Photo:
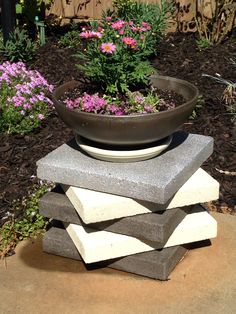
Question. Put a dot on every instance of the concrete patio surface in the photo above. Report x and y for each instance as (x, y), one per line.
(33, 282)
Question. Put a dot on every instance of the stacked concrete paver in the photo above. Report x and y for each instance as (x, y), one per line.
(136, 217)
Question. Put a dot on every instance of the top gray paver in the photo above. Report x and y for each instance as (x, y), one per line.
(155, 180)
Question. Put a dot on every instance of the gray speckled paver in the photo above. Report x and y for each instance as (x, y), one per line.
(153, 227)
(155, 180)
(155, 264)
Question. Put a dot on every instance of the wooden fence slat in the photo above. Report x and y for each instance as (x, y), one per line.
(184, 17)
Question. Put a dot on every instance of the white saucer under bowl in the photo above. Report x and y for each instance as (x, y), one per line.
(117, 154)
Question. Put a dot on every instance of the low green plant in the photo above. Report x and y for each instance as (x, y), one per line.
(203, 43)
(19, 47)
(71, 39)
(24, 101)
(30, 225)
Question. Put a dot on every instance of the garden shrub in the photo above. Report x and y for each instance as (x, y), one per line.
(19, 47)
(24, 101)
(72, 38)
(213, 31)
(154, 14)
(115, 54)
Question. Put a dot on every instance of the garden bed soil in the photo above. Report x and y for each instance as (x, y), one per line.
(178, 56)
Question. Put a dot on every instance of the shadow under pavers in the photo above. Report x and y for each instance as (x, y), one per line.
(203, 282)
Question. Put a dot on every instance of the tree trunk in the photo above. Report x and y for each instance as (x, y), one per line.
(8, 18)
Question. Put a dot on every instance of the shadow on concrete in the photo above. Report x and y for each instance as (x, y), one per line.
(33, 256)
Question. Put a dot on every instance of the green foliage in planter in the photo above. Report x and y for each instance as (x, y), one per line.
(30, 225)
(19, 47)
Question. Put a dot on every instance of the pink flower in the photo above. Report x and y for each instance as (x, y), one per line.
(116, 110)
(143, 29)
(146, 25)
(95, 34)
(139, 99)
(108, 18)
(134, 29)
(90, 34)
(108, 48)
(100, 29)
(129, 41)
(84, 34)
(118, 25)
(148, 108)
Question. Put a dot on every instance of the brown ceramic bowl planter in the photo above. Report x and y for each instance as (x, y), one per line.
(131, 129)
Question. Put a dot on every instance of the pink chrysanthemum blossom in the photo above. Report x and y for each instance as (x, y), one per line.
(90, 34)
(146, 25)
(108, 48)
(134, 29)
(109, 18)
(118, 25)
(100, 29)
(129, 41)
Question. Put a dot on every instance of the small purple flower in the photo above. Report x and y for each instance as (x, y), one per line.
(33, 100)
(41, 116)
(26, 106)
(139, 99)
(148, 108)
(26, 92)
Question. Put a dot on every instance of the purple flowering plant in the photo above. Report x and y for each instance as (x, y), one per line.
(133, 103)
(23, 100)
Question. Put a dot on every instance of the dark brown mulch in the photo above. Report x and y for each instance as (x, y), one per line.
(178, 57)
